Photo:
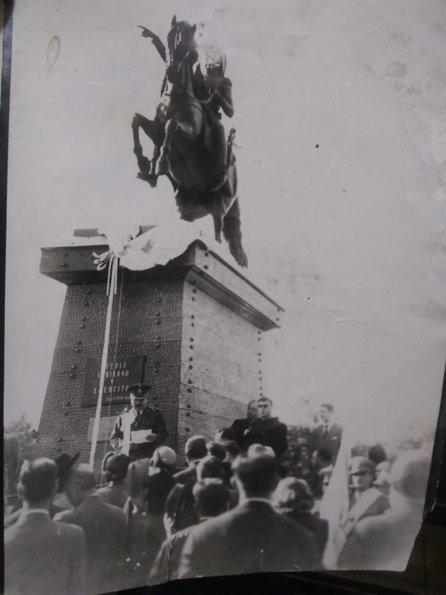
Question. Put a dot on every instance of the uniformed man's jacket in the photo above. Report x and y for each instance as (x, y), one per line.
(149, 419)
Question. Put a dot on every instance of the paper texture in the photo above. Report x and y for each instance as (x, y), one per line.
(141, 436)
(340, 146)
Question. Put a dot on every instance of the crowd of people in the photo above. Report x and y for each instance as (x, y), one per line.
(233, 509)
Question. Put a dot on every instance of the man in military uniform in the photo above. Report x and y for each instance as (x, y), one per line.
(141, 429)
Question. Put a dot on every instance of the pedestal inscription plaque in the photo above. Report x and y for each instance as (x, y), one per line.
(121, 372)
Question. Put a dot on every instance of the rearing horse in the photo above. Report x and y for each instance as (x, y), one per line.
(201, 188)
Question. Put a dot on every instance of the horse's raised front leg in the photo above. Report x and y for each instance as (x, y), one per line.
(136, 123)
(143, 162)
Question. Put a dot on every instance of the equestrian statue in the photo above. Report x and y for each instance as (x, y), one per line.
(190, 145)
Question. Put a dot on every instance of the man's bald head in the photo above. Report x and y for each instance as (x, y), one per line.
(38, 481)
(410, 473)
(81, 483)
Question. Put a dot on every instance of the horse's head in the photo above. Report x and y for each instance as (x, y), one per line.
(180, 39)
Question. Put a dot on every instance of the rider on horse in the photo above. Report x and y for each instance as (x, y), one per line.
(219, 90)
(189, 136)
(213, 90)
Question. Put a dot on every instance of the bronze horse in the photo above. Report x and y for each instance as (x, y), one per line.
(202, 187)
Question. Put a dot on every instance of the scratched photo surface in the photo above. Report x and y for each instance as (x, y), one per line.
(340, 119)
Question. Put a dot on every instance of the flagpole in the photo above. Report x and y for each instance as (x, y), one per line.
(111, 290)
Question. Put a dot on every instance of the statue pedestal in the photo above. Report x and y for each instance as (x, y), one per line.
(192, 330)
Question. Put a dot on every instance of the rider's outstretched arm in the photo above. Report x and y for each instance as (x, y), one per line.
(161, 48)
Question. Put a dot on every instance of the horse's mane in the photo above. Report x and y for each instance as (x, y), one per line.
(183, 25)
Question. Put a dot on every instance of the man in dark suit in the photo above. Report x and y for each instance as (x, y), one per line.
(104, 527)
(327, 435)
(141, 429)
(180, 505)
(211, 499)
(41, 555)
(242, 426)
(195, 450)
(267, 430)
(252, 537)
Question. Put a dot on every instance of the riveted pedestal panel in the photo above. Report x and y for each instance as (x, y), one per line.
(200, 340)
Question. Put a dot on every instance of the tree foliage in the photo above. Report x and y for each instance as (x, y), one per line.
(26, 436)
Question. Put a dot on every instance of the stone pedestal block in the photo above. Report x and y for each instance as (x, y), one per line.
(192, 330)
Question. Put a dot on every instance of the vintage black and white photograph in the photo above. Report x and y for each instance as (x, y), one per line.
(225, 288)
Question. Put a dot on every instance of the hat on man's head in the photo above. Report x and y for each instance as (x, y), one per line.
(164, 456)
(361, 464)
(138, 390)
(64, 463)
(116, 462)
(256, 450)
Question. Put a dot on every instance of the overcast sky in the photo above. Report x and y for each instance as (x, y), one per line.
(340, 114)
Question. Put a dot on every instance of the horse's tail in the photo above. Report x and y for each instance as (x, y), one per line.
(233, 234)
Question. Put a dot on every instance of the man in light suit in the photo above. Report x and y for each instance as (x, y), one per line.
(104, 527)
(41, 555)
(251, 537)
(327, 435)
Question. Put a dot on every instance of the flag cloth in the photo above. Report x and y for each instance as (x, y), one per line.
(335, 504)
(156, 246)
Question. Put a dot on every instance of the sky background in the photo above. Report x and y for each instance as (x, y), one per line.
(340, 113)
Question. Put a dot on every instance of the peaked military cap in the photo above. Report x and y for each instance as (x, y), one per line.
(138, 390)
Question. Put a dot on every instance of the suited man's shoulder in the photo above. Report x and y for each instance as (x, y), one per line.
(65, 516)
(283, 427)
(377, 525)
(214, 525)
(72, 532)
(96, 507)
(152, 411)
(116, 513)
(60, 529)
(242, 422)
(181, 477)
(293, 527)
(106, 510)
(334, 429)
(266, 514)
